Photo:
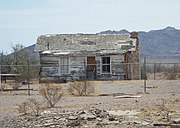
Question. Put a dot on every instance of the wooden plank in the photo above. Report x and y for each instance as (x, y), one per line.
(10, 75)
(128, 96)
(172, 125)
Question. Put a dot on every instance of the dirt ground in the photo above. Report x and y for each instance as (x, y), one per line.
(163, 96)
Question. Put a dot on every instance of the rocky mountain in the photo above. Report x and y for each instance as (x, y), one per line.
(163, 43)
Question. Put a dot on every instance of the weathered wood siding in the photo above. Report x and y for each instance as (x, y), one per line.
(49, 65)
(77, 67)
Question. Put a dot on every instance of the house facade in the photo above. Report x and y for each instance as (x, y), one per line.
(89, 56)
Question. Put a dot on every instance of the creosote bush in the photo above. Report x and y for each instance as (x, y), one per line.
(81, 88)
(31, 106)
(51, 93)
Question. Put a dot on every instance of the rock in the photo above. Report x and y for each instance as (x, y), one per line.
(49, 121)
(38, 125)
(176, 121)
(48, 124)
(113, 122)
(72, 117)
(96, 111)
(79, 112)
(111, 118)
(123, 113)
(104, 122)
(62, 119)
(73, 123)
(141, 122)
(98, 119)
(46, 112)
(88, 116)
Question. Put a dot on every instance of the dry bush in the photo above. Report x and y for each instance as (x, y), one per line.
(15, 86)
(170, 75)
(35, 106)
(81, 88)
(164, 109)
(178, 76)
(23, 108)
(51, 93)
(31, 106)
(16, 83)
(2, 87)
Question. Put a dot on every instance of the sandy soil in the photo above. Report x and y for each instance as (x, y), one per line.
(160, 94)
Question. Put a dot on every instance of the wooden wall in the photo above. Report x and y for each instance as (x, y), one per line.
(77, 67)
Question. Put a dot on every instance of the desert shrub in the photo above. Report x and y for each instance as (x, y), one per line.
(2, 87)
(15, 86)
(23, 108)
(170, 75)
(31, 106)
(51, 93)
(35, 106)
(16, 83)
(165, 111)
(81, 88)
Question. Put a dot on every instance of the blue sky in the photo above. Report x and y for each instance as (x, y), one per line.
(22, 21)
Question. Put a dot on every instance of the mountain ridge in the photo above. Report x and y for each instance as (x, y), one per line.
(162, 43)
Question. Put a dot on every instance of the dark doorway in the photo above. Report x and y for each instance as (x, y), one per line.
(91, 68)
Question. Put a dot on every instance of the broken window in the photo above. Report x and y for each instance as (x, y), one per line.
(63, 65)
(105, 64)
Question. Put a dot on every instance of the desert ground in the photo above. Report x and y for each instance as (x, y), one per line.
(159, 105)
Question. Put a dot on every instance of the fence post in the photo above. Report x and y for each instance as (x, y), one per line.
(28, 81)
(174, 74)
(145, 77)
(0, 77)
(154, 71)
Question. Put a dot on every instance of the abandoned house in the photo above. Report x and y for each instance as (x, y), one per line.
(89, 56)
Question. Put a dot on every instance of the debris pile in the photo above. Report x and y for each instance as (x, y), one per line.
(81, 118)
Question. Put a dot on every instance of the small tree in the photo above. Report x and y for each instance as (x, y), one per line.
(51, 93)
(81, 88)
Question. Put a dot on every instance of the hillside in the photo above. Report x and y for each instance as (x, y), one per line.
(163, 43)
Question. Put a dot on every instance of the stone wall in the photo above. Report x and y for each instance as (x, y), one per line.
(134, 66)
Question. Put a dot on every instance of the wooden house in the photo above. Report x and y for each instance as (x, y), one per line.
(89, 56)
